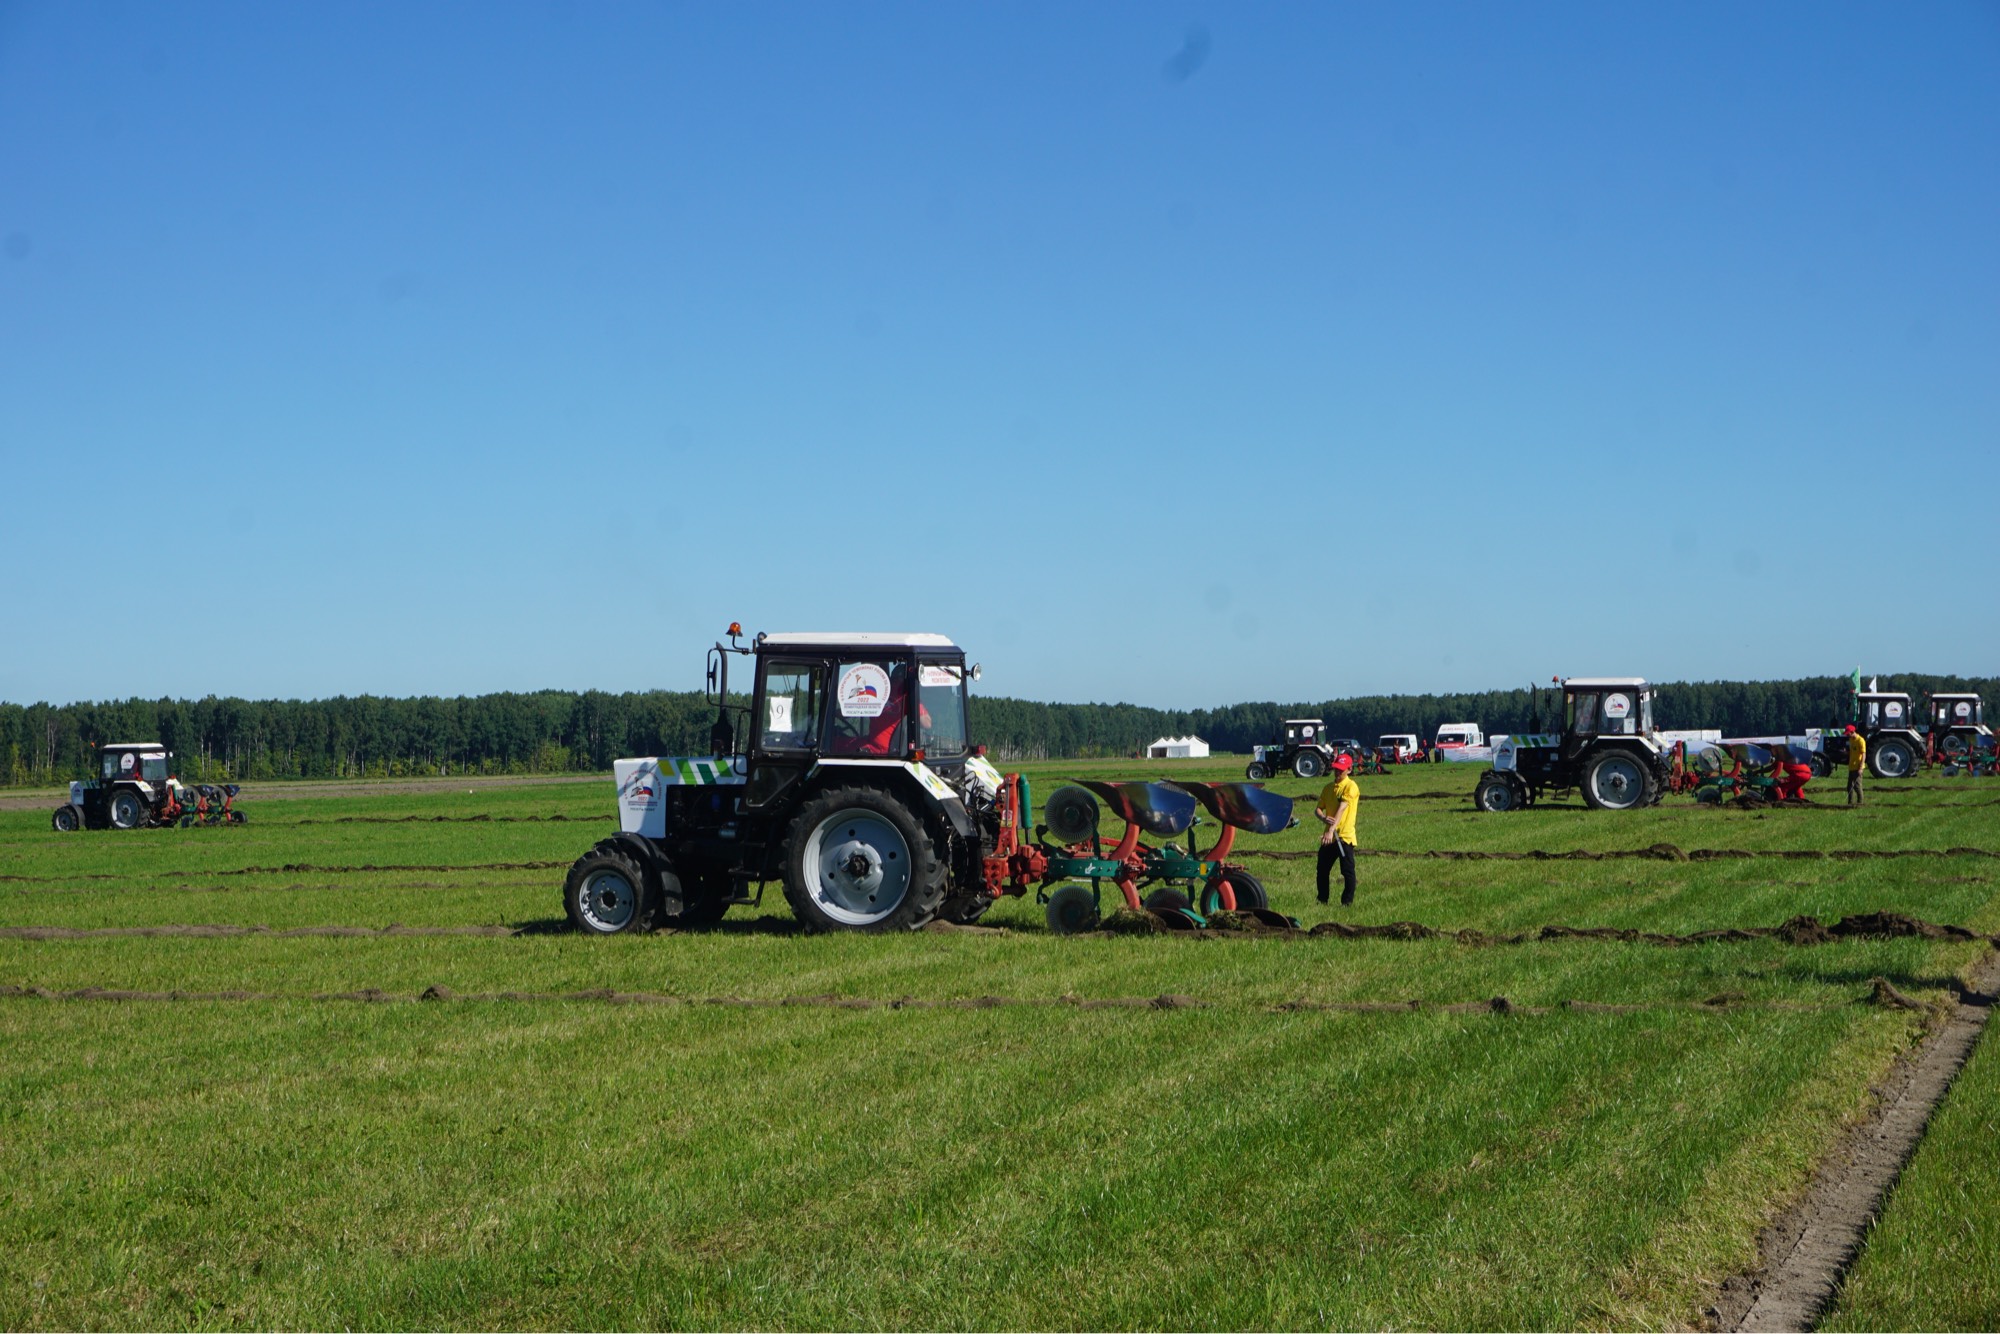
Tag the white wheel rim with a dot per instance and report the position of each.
(1895, 763)
(857, 867)
(1618, 782)
(608, 902)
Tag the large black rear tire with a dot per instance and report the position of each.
(1618, 780)
(607, 893)
(1892, 757)
(128, 809)
(858, 859)
(965, 909)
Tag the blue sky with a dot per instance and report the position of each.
(1179, 354)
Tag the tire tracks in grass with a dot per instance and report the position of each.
(1806, 1253)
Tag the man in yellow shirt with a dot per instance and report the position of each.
(1857, 751)
(1336, 810)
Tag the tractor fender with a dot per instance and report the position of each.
(918, 782)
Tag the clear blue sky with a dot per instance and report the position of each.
(1179, 354)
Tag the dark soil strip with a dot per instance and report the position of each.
(458, 819)
(289, 868)
(1807, 1252)
(1803, 930)
(1658, 852)
(1499, 1005)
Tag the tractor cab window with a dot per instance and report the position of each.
(870, 701)
(941, 708)
(794, 695)
(1583, 715)
(1646, 714)
(154, 768)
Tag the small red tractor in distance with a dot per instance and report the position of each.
(136, 788)
(850, 779)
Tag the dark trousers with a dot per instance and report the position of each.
(1854, 787)
(1329, 853)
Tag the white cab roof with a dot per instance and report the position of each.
(1629, 682)
(1303, 720)
(867, 638)
(132, 745)
(1953, 694)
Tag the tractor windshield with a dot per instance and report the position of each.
(870, 700)
(794, 694)
(941, 714)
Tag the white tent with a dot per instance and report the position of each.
(1178, 748)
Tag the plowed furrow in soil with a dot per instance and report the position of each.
(1805, 1254)
(1500, 1005)
(1802, 930)
(1657, 852)
(289, 868)
(459, 819)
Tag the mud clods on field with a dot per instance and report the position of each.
(1802, 930)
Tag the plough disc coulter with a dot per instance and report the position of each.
(1181, 885)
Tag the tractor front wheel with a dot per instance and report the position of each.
(606, 893)
(1308, 764)
(1258, 771)
(857, 859)
(1617, 780)
(1496, 794)
(66, 820)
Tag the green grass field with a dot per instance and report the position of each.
(957, 1129)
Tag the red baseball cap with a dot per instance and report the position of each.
(1850, 729)
(1343, 762)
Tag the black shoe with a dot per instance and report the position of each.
(1322, 898)
(1347, 900)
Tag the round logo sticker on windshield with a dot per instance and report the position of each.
(1617, 706)
(863, 691)
(1962, 709)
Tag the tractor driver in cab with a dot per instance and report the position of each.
(871, 700)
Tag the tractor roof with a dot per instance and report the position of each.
(1304, 720)
(132, 745)
(1881, 694)
(859, 638)
(1953, 694)
(1592, 682)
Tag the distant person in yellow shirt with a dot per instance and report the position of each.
(1337, 806)
(1857, 751)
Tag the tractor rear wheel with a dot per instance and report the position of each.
(606, 893)
(858, 859)
(128, 809)
(66, 820)
(965, 909)
(1258, 771)
(1308, 764)
(1617, 780)
(1892, 757)
(1496, 794)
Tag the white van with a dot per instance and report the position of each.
(1464, 742)
(1397, 747)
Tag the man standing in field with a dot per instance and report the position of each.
(1337, 806)
(1857, 751)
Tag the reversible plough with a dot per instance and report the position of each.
(1179, 884)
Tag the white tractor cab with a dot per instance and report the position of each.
(847, 776)
(1958, 731)
(1607, 748)
(1398, 747)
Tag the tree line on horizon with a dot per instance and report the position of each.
(559, 731)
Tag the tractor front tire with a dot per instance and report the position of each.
(1892, 757)
(1495, 794)
(1618, 780)
(1308, 764)
(858, 859)
(128, 809)
(606, 893)
(66, 820)
(1258, 771)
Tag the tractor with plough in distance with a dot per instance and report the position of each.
(849, 778)
(1607, 748)
(136, 788)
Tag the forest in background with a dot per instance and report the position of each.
(556, 731)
